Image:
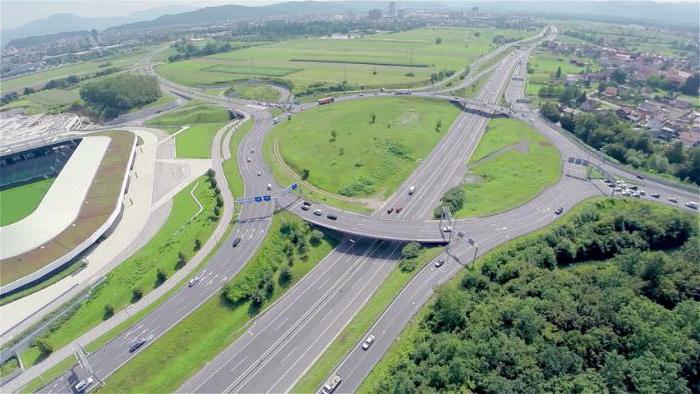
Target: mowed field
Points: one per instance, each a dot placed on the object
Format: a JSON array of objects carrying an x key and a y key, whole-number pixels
[
  {"x": 382, "y": 60},
  {"x": 365, "y": 158},
  {"x": 511, "y": 165},
  {"x": 18, "y": 202},
  {"x": 544, "y": 65}
]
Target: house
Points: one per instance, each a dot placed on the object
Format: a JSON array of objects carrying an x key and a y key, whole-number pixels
[
  {"x": 571, "y": 79},
  {"x": 689, "y": 138},
  {"x": 610, "y": 92}
]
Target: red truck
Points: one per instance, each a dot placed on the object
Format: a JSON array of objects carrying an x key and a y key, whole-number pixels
[{"x": 326, "y": 100}]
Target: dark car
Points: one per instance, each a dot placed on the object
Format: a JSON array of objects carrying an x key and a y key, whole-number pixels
[
  {"x": 236, "y": 242},
  {"x": 304, "y": 207},
  {"x": 306, "y": 204},
  {"x": 137, "y": 343},
  {"x": 398, "y": 210},
  {"x": 559, "y": 210},
  {"x": 640, "y": 177},
  {"x": 390, "y": 210},
  {"x": 332, "y": 217}
]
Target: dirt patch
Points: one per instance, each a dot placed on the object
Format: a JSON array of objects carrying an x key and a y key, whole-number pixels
[{"x": 473, "y": 179}]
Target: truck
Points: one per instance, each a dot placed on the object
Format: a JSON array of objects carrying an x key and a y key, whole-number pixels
[
  {"x": 331, "y": 385},
  {"x": 326, "y": 100}
]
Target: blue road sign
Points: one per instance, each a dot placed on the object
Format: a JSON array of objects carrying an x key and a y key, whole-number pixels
[
  {"x": 266, "y": 197},
  {"x": 258, "y": 199}
]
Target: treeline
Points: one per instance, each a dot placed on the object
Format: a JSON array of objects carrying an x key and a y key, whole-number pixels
[
  {"x": 626, "y": 321},
  {"x": 290, "y": 243},
  {"x": 110, "y": 97},
  {"x": 185, "y": 49},
  {"x": 568, "y": 95},
  {"x": 605, "y": 132},
  {"x": 58, "y": 83}
]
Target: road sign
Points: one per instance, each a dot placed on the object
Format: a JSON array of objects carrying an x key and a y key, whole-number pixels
[
  {"x": 267, "y": 197},
  {"x": 258, "y": 199}
]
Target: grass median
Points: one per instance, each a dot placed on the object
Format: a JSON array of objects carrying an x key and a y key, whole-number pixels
[
  {"x": 173, "y": 245},
  {"x": 186, "y": 348},
  {"x": 230, "y": 166},
  {"x": 511, "y": 165},
  {"x": 354, "y": 332}
]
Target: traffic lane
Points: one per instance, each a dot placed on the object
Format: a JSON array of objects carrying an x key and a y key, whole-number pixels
[
  {"x": 311, "y": 339},
  {"x": 358, "y": 363},
  {"x": 280, "y": 320}
]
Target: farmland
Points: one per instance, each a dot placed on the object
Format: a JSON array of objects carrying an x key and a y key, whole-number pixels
[{"x": 381, "y": 60}]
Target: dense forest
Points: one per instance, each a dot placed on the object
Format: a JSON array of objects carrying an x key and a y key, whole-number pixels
[
  {"x": 603, "y": 131},
  {"x": 109, "y": 97},
  {"x": 609, "y": 301}
]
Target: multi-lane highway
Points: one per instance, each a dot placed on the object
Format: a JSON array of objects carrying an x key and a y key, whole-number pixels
[{"x": 285, "y": 340}]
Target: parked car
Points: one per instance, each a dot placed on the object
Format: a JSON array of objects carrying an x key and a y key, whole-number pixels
[{"x": 368, "y": 342}]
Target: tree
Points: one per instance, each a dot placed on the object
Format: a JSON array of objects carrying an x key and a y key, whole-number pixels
[
  {"x": 438, "y": 40},
  {"x": 315, "y": 237},
  {"x": 411, "y": 250},
  {"x": 197, "y": 244},
  {"x": 558, "y": 73},
  {"x": 112, "y": 96},
  {"x": 619, "y": 76},
  {"x": 334, "y": 134},
  {"x": 372, "y": 118},
  {"x": 550, "y": 111},
  {"x": 691, "y": 87},
  {"x": 136, "y": 294},
  {"x": 675, "y": 153},
  {"x": 44, "y": 346},
  {"x": 285, "y": 276},
  {"x": 161, "y": 275},
  {"x": 304, "y": 174},
  {"x": 109, "y": 311},
  {"x": 181, "y": 260}
]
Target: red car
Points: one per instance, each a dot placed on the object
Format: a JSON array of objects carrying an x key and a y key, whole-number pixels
[{"x": 398, "y": 210}]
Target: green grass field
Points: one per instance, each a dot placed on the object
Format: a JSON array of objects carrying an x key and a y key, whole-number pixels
[
  {"x": 177, "y": 235},
  {"x": 253, "y": 91},
  {"x": 187, "y": 347},
  {"x": 18, "y": 202},
  {"x": 384, "y": 59},
  {"x": 203, "y": 120},
  {"x": 511, "y": 165},
  {"x": 230, "y": 166},
  {"x": 365, "y": 158},
  {"x": 356, "y": 329},
  {"x": 544, "y": 65}
]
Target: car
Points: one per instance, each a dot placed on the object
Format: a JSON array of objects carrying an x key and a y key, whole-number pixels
[
  {"x": 193, "y": 281},
  {"x": 252, "y": 150},
  {"x": 332, "y": 217},
  {"x": 636, "y": 195},
  {"x": 398, "y": 210},
  {"x": 318, "y": 212},
  {"x": 236, "y": 241},
  {"x": 411, "y": 190},
  {"x": 368, "y": 342},
  {"x": 655, "y": 195},
  {"x": 248, "y": 159},
  {"x": 640, "y": 177},
  {"x": 269, "y": 186},
  {"x": 439, "y": 262},
  {"x": 137, "y": 343},
  {"x": 306, "y": 203},
  {"x": 634, "y": 187},
  {"x": 691, "y": 205},
  {"x": 390, "y": 210},
  {"x": 447, "y": 229},
  {"x": 331, "y": 384},
  {"x": 672, "y": 199},
  {"x": 304, "y": 207},
  {"x": 642, "y": 193},
  {"x": 558, "y": 211},
  {"x": 259, "y": 173},
  {"x": 83, "y": 384}
]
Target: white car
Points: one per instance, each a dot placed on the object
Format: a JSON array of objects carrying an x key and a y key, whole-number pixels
[
  {"x": 248, "y": 160},
  {"x": 83, "y": 384},
  {"x": 691, "y": 205},
  {"x": 318, "y": 212},
  {"x": 368, "y": 342},
  {"x": 193, "y": 281},
  {"x": 439, "y": 262},
  {"x": 672, "y": 199},
  {"x": 447, "y": 229},
  {"x": 269, "y": 186}
]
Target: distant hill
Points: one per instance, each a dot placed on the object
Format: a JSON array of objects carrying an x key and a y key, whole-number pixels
[{"x": 59, "y": 23}]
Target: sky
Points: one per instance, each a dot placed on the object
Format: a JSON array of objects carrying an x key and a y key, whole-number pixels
[{"x": 15, "y": 13}]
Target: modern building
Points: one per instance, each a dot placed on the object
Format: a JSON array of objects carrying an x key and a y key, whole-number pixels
[
  {"x": 375, "y": 14},
  {"x": 392, "y": 9}
]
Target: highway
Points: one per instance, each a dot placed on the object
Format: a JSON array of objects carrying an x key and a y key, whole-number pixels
[{"x": 284, "y": 341}]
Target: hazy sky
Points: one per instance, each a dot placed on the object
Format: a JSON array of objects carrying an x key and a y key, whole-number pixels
[{"x": 16, "y": 13}]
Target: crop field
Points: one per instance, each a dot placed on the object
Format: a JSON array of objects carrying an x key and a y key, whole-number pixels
[
  {"x": 177, "y": 235},
  {"x": 346, "y": 152},
  {"x": 382, "y": 60},
  {"x": 40, "y": 78},
  {"x": 511, "y": 165},
  {"x": 18, "y": 202}
]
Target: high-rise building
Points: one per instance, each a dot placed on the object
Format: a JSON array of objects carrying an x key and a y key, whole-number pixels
[
  {"x": 392, "y": 9},
  {"x": 375, "y": 14}
]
